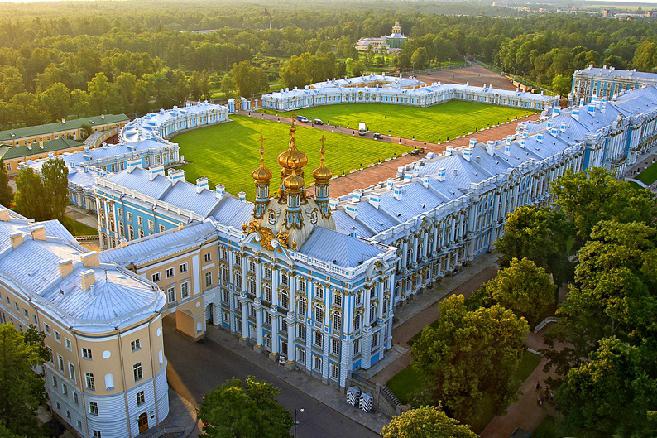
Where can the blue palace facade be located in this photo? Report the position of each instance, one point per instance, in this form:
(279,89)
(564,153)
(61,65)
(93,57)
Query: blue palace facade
(314,281)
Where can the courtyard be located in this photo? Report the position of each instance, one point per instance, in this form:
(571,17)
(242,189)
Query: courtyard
(227,153)
(434,124)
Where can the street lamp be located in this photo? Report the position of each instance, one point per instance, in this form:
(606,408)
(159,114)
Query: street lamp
(301,411)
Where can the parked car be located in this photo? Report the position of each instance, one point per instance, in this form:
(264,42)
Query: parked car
(318,121)
(377,136)
(303,119)
(362,129)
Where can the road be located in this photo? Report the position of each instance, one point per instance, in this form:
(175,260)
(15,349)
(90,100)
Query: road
(195,368)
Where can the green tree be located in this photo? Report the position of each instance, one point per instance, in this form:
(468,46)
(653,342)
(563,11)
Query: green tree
(469,353)
(524,288)
(612,293)
(612,394)
(56,101)
(244,409)
(561,84)
(54,174)
(645,56)
(249,79)
(6,193)
(425,422)
(539,233)
(589,197)
(30,199)
(21,388)
(419,58)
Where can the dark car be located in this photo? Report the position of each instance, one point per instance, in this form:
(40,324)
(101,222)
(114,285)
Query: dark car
(377,136)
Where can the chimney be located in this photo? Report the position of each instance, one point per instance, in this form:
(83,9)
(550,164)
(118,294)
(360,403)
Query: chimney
(562,127)
(176,175)
(4,215)
(490,147)
(556,111)
(442,174)
(87,279)
(38,232)
(374,200)
(507,149)
(333,203)
(539,137)
(522,144)
(425,182)
(408,176)
(202,184)
(133,163)
(449,151)
(219,191)
(351,210)
(575,114)
(473,142)
(90,259)
(65,267)
(242,196)
(390,184)
(355,196)
(467,153)
(16,239)
(154,172)
(398,192)
(590,108)
(554,132)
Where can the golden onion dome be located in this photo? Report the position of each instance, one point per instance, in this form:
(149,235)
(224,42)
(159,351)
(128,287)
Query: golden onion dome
(262,175)
(293,183)
(292,158)
(322,174)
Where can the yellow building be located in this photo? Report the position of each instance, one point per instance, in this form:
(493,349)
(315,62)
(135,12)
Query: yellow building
(103,326)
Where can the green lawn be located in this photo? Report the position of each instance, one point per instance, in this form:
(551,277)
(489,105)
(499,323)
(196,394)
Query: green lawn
(649,175)
(433,124)
(406,383)
(227,153)
(78,228)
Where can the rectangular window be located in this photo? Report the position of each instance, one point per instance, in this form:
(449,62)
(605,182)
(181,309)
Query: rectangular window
(319,313)
(60,363)
(337,299)
(208,279)
(301,332)
(319,292)
(183,267)
(284,279)
(267,318)
(75,398)
(171,294)
(47,329)
(162,229)
(155,277)
(141,399)
(67,344)
(137,372)
(318,339)
(90,381)
(317,365)
(356,346)
(207,257)
(136,345)
(337,321)
(64,389)
(71,371)
(86,353)
(335,346)
(184,290)
(335,371)
(93,410)
(375,340)
(58,336)
(301,354)
(97,432)
(169,272)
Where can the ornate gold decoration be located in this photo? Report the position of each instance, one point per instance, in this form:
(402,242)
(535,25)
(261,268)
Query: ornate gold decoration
(283,238)
(262,175)
(266,234)
(292,158)
(322,174)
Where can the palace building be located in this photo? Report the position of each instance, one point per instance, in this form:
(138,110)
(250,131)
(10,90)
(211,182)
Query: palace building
(607,82)
(274,272)
(385,44)
(399,91)
(314,281)
(102,325)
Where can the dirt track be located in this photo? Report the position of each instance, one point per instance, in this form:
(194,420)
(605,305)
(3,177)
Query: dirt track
(474,75)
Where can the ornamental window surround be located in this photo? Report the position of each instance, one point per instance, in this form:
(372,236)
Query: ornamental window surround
(319,313)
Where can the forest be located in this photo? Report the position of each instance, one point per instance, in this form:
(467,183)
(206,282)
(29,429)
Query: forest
(70,60)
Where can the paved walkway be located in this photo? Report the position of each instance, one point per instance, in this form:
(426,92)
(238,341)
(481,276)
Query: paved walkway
(525,413)
(361,179)
(82,216)
(328,395)
(181,421)
(413,316)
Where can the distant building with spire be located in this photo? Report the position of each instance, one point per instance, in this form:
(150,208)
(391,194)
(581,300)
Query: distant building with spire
(386,43)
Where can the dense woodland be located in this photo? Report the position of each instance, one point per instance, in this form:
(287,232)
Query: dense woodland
(89,58)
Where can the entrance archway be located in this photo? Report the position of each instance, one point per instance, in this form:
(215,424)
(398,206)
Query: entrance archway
(143,422)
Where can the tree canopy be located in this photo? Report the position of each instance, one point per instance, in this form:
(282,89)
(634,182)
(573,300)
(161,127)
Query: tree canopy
(467,353)
(21,388)
(244,409)
(425,422)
